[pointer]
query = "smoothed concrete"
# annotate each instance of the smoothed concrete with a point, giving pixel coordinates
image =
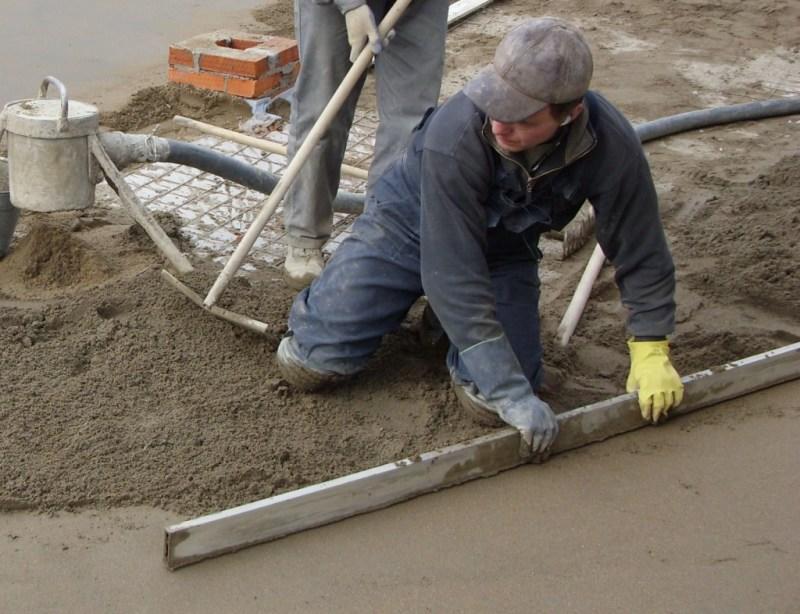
(698, 515)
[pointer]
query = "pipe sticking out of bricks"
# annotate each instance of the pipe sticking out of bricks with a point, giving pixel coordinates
(241, 64)
(251, 141)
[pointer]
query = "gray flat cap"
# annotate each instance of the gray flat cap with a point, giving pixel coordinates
(540, 62)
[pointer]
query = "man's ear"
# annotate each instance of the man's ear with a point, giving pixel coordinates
(573, 115)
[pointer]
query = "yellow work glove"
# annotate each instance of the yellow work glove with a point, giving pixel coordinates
(652, 374)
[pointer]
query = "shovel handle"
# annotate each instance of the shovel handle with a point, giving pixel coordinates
(576, 306)
(317, 131)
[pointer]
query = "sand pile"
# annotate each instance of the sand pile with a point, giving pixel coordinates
(123, 392)
(132, 395)
(754, 238)
(160, 103)
(52, 257)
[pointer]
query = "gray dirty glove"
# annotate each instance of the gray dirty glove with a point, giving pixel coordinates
(361, 27)
(536, 423)
(532, 417)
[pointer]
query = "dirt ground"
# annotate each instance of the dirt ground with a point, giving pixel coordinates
(154, 402)
(117, 392)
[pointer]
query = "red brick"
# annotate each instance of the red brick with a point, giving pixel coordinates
(254, 88)
(179, 55)
(283, 50)
(203, 80)
(244, 67)
(278, 43)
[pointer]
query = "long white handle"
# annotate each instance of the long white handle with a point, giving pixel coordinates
(234, 318)
(323, 123)
(576, 306)
(251, 141)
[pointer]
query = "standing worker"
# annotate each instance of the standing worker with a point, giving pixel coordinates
(458, 217)
(408, 71)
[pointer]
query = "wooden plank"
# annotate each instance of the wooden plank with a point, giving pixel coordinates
(313, 506)
(463, 8)
(137, 210)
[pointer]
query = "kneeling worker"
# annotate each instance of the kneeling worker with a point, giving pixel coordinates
(458, 218)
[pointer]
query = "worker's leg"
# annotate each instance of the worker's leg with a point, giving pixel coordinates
(363, 293)
(408, 78)
(515, 280)
(324, 57)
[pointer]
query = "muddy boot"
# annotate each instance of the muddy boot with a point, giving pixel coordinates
(302, 266)
(475, 405)
(294, 370)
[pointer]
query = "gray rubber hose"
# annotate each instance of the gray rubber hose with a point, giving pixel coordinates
(694, 120)
(125, 149)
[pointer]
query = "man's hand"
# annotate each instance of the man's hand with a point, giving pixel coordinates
(537, 426)
(652, 374)
(361, 27)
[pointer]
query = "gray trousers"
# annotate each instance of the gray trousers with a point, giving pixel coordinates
(408, 74)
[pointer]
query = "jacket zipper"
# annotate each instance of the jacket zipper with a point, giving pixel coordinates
(531, 179)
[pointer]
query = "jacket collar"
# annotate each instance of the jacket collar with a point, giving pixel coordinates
(579, 140)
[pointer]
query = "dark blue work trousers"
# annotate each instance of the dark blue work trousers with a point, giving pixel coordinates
(374, 278)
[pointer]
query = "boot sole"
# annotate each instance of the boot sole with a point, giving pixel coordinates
(298, 283)
(482, 416)
(301, 377)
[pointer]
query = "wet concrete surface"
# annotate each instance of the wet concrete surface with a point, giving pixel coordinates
(697, 515)
(122, 45)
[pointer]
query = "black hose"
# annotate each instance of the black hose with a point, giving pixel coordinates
(347, 202)
(221, 165)
(243, 173)
(693, 120)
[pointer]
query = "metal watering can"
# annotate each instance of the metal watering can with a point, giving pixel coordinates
(51, 167)
(56, 158)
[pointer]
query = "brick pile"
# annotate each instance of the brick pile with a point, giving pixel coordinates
(246, 65)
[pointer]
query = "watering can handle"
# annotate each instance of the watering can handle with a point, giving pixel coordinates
(62, 92)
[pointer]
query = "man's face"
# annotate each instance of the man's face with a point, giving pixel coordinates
(519, 136)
